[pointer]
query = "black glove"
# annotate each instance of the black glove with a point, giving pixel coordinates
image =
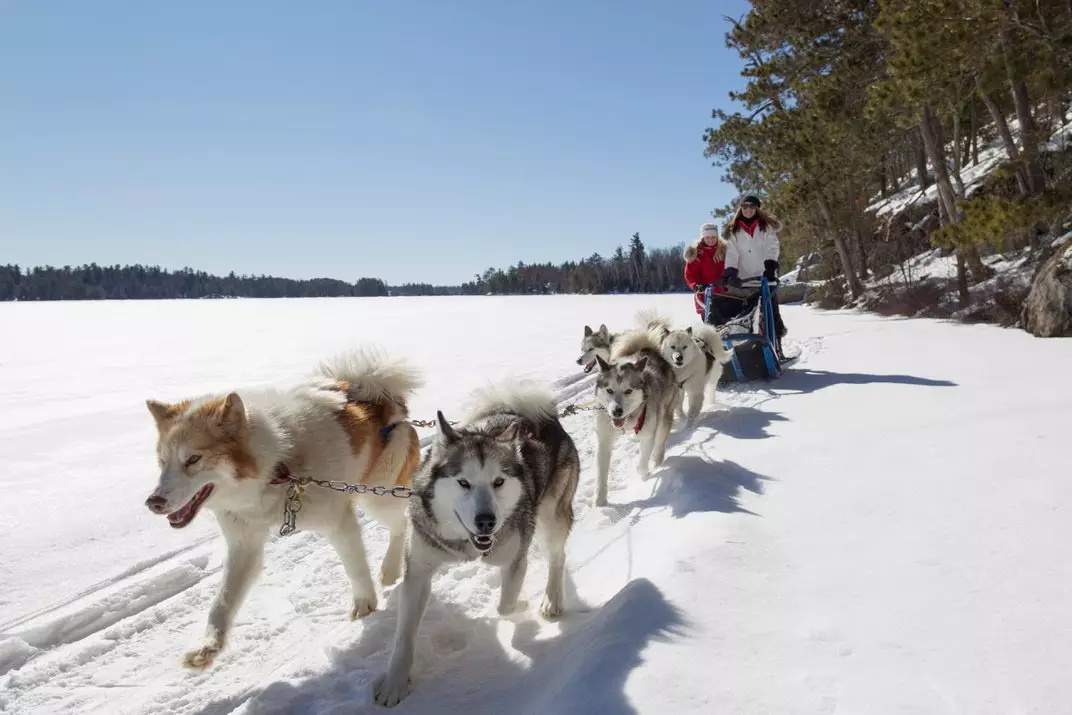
(730, 278)
(770, 270)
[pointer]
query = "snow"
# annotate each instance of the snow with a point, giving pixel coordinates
(881, 530)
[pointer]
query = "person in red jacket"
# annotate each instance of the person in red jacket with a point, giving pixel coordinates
(705, 260)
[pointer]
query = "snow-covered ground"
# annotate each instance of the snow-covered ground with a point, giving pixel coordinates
(882, 530)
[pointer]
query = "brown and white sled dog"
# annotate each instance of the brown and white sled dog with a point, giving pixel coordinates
(697, 356)
(636, 390)
(507, 474)
(221, 453)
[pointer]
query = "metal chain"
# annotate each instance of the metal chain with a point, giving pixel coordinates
(297, 485)
(571, 409)
(291, 508)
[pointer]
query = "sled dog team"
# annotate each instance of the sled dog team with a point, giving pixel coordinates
(506, 474)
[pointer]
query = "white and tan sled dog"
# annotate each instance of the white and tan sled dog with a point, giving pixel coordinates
(227, 453)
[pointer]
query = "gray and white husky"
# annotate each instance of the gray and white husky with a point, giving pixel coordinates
(637, 390)
(694, 352)
(596, 343)
(483, 491)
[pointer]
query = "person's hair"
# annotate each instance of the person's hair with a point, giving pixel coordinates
(764, 219)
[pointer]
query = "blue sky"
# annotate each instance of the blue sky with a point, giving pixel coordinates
(411, 141)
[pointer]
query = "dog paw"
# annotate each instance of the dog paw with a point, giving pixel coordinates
(362, 607)
(202, 657)
(550, 608)
(642, 468)
(508, 609)
(388, 692)
(599, 501)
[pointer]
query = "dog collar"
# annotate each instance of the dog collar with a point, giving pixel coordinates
(640, 422)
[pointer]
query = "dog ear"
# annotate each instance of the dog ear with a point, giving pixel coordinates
(511, 433)
(233, 414)
(641, 364)
(689, 330)
(587, 331)
(603, 329)
(603, 364)
(444, 431)
(162, 412)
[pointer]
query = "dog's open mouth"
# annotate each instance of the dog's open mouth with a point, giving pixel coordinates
(183, 516)
(589, 366)
(618, 421)
(482, 542)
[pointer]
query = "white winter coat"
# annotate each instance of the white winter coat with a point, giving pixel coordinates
(747, 253)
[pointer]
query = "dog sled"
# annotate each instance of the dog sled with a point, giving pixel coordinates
(744, 317)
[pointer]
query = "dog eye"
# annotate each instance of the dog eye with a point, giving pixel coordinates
(610, 391)
(498, 482)
(193, 459)
(464, 484)
(629, 391)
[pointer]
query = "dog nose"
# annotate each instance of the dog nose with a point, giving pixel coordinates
(156, 504)
(616, 411)
(485, 523)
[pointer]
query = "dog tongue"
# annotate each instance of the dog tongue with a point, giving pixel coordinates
(619, 422)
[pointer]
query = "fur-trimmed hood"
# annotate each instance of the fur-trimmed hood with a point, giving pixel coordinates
(693, 249)
(773, 224)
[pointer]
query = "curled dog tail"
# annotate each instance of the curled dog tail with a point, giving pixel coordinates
(651, 320)
(371, 375)
(521, 397)
(712, 342)
(632, 342)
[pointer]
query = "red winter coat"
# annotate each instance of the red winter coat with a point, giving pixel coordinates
(701, 267)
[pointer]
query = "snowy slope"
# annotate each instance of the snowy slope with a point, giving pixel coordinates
(882, 530)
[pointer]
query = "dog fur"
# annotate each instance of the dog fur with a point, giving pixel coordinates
(636, 389)
(596, 343)
(484, 490)
(697, 355)
(220, 452)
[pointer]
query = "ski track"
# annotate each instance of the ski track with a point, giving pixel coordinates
(68, 657)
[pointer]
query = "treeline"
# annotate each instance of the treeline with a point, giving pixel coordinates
(637, 270)
(846, 100)
(93, 282)
(628, 270)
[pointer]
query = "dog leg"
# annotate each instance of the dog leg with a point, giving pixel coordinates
(394, 685)
(513, 577)
(695, 387)
(346, 539)
(552, 528)
(245, 555)
(679, 406)
(662, 433)
(392, 515)
(605, 445)
(647, 441)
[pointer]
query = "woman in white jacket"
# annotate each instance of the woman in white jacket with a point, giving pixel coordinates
(752, 249)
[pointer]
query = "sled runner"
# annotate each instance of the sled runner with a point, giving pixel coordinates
(745, 320)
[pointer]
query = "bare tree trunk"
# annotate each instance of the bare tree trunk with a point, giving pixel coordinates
(1006, 138)
(962, 282)
(857, 231)
(957, 181)
(974, 134)
(921, 162)
(932, 137)
(933, 144)
(1036, 180)
(855, 287)
(957, 161)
